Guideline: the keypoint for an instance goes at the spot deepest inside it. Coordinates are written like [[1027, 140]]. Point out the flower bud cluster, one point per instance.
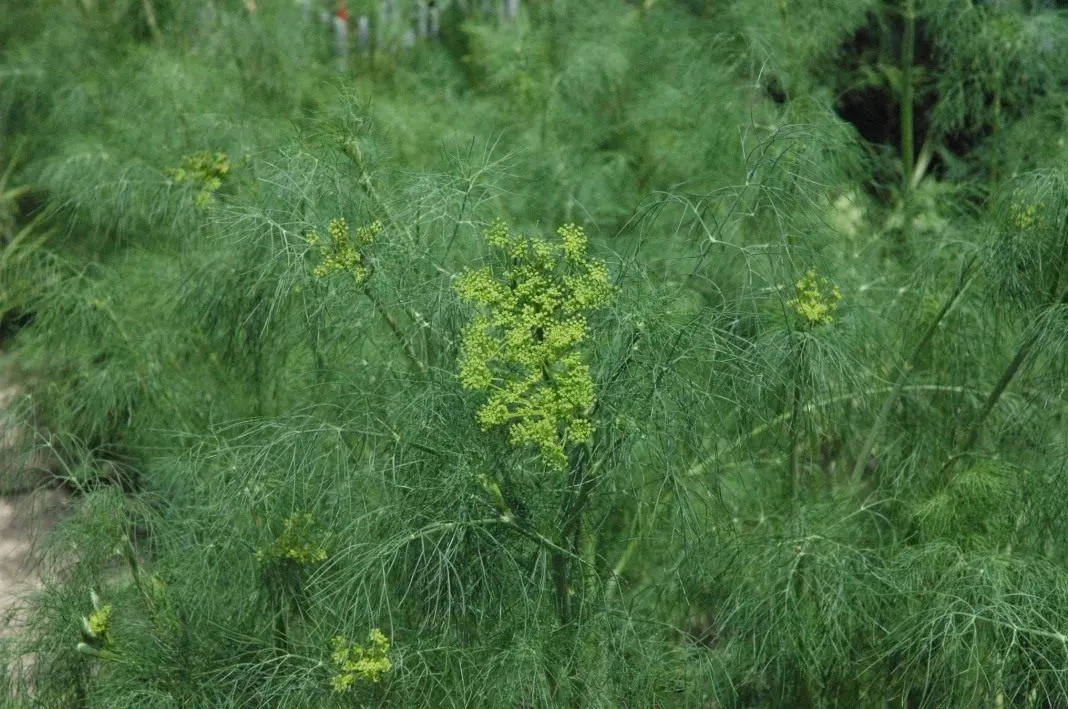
[[1026, 217], [354, 662], [522, 346], [297, 543], [816, 299], [95, 640], [343, 253], [204, 170]]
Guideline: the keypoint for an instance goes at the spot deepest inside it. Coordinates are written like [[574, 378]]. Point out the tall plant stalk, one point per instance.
[[1022, 353], [1007, 375], [908, 57], [796, 401], [150, 19], [968, 274], [351, 149]]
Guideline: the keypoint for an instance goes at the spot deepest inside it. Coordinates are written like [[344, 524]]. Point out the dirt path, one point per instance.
[[28, 509], [24, 518]]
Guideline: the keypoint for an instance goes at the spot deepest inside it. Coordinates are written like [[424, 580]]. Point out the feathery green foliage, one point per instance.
[[779, 420]]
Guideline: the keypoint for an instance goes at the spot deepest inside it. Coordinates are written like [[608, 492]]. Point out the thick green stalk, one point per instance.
[[995, 167], [351, 149], [795, 428], [1022, 353], [908, 56], [967, 275], [1013, 368], [579, 486], [150, 19], [636, 536], [568, 583], [409, 352]]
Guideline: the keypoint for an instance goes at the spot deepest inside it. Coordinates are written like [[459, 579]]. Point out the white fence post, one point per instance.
[[423, 19], [380, 26], [341, 37], [363, 34], [435, 20], [392, 27]]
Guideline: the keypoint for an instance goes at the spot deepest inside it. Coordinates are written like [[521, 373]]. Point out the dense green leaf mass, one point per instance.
[[779, 418]]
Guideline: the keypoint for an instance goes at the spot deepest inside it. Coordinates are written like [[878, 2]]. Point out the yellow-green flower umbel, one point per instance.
[[298, 543], [204, 170], [343, 253], [355, 662], [95, 627], [1026, 217], [816, 299], [522, 347]]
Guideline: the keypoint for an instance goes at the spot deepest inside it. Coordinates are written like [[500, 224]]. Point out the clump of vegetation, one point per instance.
[[776, 418]]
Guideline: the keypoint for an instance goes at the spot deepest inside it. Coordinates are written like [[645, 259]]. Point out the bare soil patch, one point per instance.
[[29, 507]]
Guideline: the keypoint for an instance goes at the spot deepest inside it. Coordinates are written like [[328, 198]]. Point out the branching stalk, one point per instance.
[[966, 278], [409, 352], [635, 538], [908, 56], [795, 429], [1022, 352], [1010, 372], [150, 19], [351, 149], [578, 488]]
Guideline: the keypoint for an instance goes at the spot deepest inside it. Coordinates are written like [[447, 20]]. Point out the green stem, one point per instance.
[[908, 56], [992, 399], [459, 221], [995, 167], [351, 149], [567, 582], [580, 485], [635, 538], [130, 557], [150, 18], [966, 278], [281, 631], [507, 517], [813, 405], [570, 512], [391, 323], [1013, 368], [795, 429]]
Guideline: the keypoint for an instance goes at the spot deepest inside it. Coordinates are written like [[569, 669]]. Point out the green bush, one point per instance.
[[589, 360]]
